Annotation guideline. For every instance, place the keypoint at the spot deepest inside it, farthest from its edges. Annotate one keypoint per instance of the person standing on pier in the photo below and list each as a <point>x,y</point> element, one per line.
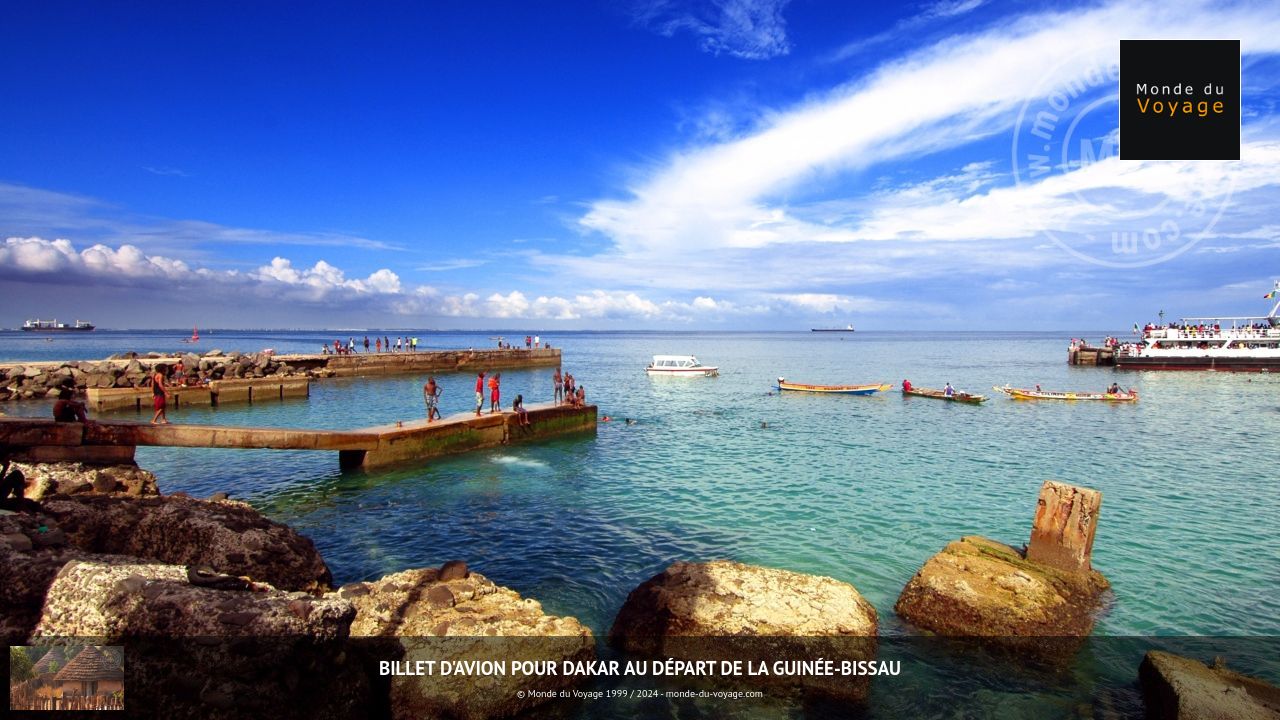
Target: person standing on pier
<point>494,394</point>
<point>377,345</point>
<point>559,389</point>
<point>536,341</point>
<point>479,392</point>
<point>431,394</point>
<point>366,344</point>
<point>159,395</point>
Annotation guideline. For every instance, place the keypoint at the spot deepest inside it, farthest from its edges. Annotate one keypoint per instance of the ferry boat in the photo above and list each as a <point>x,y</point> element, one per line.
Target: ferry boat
<point>680,366</point>
<point>45,326</point>
<point>1247,344</point>
<point>846,328</point>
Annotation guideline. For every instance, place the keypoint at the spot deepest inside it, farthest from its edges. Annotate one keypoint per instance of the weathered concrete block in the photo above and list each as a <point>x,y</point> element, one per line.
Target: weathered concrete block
<point>1065,523</point>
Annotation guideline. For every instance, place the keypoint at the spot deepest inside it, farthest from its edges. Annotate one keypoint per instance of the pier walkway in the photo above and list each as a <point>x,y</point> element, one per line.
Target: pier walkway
<point>40,440</point>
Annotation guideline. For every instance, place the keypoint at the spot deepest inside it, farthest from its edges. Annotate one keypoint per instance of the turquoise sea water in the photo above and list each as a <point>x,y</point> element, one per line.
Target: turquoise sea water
<point>863,489</point>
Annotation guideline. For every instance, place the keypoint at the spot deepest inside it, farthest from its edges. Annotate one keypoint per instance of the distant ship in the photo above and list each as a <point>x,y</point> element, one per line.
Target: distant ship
<point>846,328</point>
<point>45,326</point>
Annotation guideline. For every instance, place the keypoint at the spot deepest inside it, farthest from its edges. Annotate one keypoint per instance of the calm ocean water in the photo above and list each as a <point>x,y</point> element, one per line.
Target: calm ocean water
<point>863,489</point>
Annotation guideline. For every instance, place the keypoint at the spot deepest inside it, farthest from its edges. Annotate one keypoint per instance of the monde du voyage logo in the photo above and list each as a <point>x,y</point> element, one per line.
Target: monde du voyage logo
<point>1180,99</point>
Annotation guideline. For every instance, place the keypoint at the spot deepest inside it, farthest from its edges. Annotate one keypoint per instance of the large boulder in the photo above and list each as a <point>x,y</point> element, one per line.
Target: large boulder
<point>193,651</point>
<point>141,599</point>
<point>977,587</point>
<point>45,479</point>
<point>230,537</point>
<point>452,615</point>
<point>727,610</point>
<point>1179,688</point>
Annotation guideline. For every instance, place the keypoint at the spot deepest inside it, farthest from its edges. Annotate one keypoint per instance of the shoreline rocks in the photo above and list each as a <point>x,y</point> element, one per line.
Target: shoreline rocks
<point>1180,688</point>
<point>228,536</point>
<point>451,614</point>
<point>71,478</point>
<point>729,610</point>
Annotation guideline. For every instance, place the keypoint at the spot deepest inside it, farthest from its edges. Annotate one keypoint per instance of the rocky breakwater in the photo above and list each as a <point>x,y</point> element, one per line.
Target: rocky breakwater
<point>1040,601</point>
<point>725,610</point>
<point>131,370</point>
<point>455,616</point>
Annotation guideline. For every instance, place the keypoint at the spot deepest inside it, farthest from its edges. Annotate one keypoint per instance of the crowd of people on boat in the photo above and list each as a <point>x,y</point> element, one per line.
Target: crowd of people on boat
<point>1208,330</point>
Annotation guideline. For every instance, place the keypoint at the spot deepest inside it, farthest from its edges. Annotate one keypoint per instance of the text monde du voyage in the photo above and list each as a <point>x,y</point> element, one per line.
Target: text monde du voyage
<point>1181,99</point>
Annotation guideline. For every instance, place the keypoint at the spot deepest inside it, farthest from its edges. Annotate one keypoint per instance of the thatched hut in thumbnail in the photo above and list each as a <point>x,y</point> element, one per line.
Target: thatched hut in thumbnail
<point>43,672</point>
<point>90,672</point>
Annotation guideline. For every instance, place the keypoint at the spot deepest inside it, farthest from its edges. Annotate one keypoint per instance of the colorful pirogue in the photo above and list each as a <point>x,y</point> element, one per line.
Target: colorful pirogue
<point>838,389</point>
<point>1024,394</point>
<point>957,396</point>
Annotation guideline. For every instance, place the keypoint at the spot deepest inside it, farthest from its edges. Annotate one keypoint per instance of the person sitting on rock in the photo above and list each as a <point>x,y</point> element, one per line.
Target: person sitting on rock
<point>68,409</point>
<point>522,415</point>
<point>15,484</point>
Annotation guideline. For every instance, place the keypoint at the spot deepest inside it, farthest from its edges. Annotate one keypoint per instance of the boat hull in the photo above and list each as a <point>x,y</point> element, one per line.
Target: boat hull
<point>1023,394</point>
<point>683,372</point>
<point>1231,364</point>
<point>834,389</point>
<point>967,398</point>
<point>86,328</point>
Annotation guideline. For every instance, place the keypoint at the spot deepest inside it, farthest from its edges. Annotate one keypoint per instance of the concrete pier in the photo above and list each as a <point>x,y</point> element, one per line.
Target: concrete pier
<point>39,440</point>
<point>218,392</point>
<point>1088,355</point>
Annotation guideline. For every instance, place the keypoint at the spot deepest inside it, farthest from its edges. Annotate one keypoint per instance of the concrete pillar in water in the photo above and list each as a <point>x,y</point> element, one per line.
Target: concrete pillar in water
<point>1066,519</point>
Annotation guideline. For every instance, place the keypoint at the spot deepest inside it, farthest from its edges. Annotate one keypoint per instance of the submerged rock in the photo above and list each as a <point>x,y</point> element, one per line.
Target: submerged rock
<point>1179,688</point>
<point>728,610</point>
<point>230,537</point>
<point>465,618</point>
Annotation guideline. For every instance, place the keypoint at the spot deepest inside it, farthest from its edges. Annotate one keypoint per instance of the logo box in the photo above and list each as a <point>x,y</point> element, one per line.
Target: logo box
<point>1179,99</point>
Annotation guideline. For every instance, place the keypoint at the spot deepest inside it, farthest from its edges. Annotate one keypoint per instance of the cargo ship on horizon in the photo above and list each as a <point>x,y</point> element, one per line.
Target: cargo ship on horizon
<point>49,326</point>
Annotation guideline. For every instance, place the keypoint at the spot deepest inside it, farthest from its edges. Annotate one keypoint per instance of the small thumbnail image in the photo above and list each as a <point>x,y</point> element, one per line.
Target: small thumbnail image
<point>66,677</point>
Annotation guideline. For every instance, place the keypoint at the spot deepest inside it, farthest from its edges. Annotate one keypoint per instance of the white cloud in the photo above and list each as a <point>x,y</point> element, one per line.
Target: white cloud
<point>723,216</point>
<point>35,259</point>
<point>749,29</point>
<point>45,212</point>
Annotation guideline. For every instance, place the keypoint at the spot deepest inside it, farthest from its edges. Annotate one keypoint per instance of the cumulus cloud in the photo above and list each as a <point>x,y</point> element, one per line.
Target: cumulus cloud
<point>749,29</point>
<point>34,259</point>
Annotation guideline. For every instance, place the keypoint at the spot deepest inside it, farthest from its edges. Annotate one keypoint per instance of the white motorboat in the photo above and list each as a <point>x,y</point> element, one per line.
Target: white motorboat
<point>680,366</point>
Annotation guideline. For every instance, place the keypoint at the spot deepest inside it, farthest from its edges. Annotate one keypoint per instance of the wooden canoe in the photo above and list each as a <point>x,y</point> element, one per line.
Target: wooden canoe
<point>1025,394</point>
<point>837,389</point>
<point>960,397</point>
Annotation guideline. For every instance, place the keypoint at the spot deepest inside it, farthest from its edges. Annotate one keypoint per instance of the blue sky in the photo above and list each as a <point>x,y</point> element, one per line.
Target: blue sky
<point>724,164</point>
